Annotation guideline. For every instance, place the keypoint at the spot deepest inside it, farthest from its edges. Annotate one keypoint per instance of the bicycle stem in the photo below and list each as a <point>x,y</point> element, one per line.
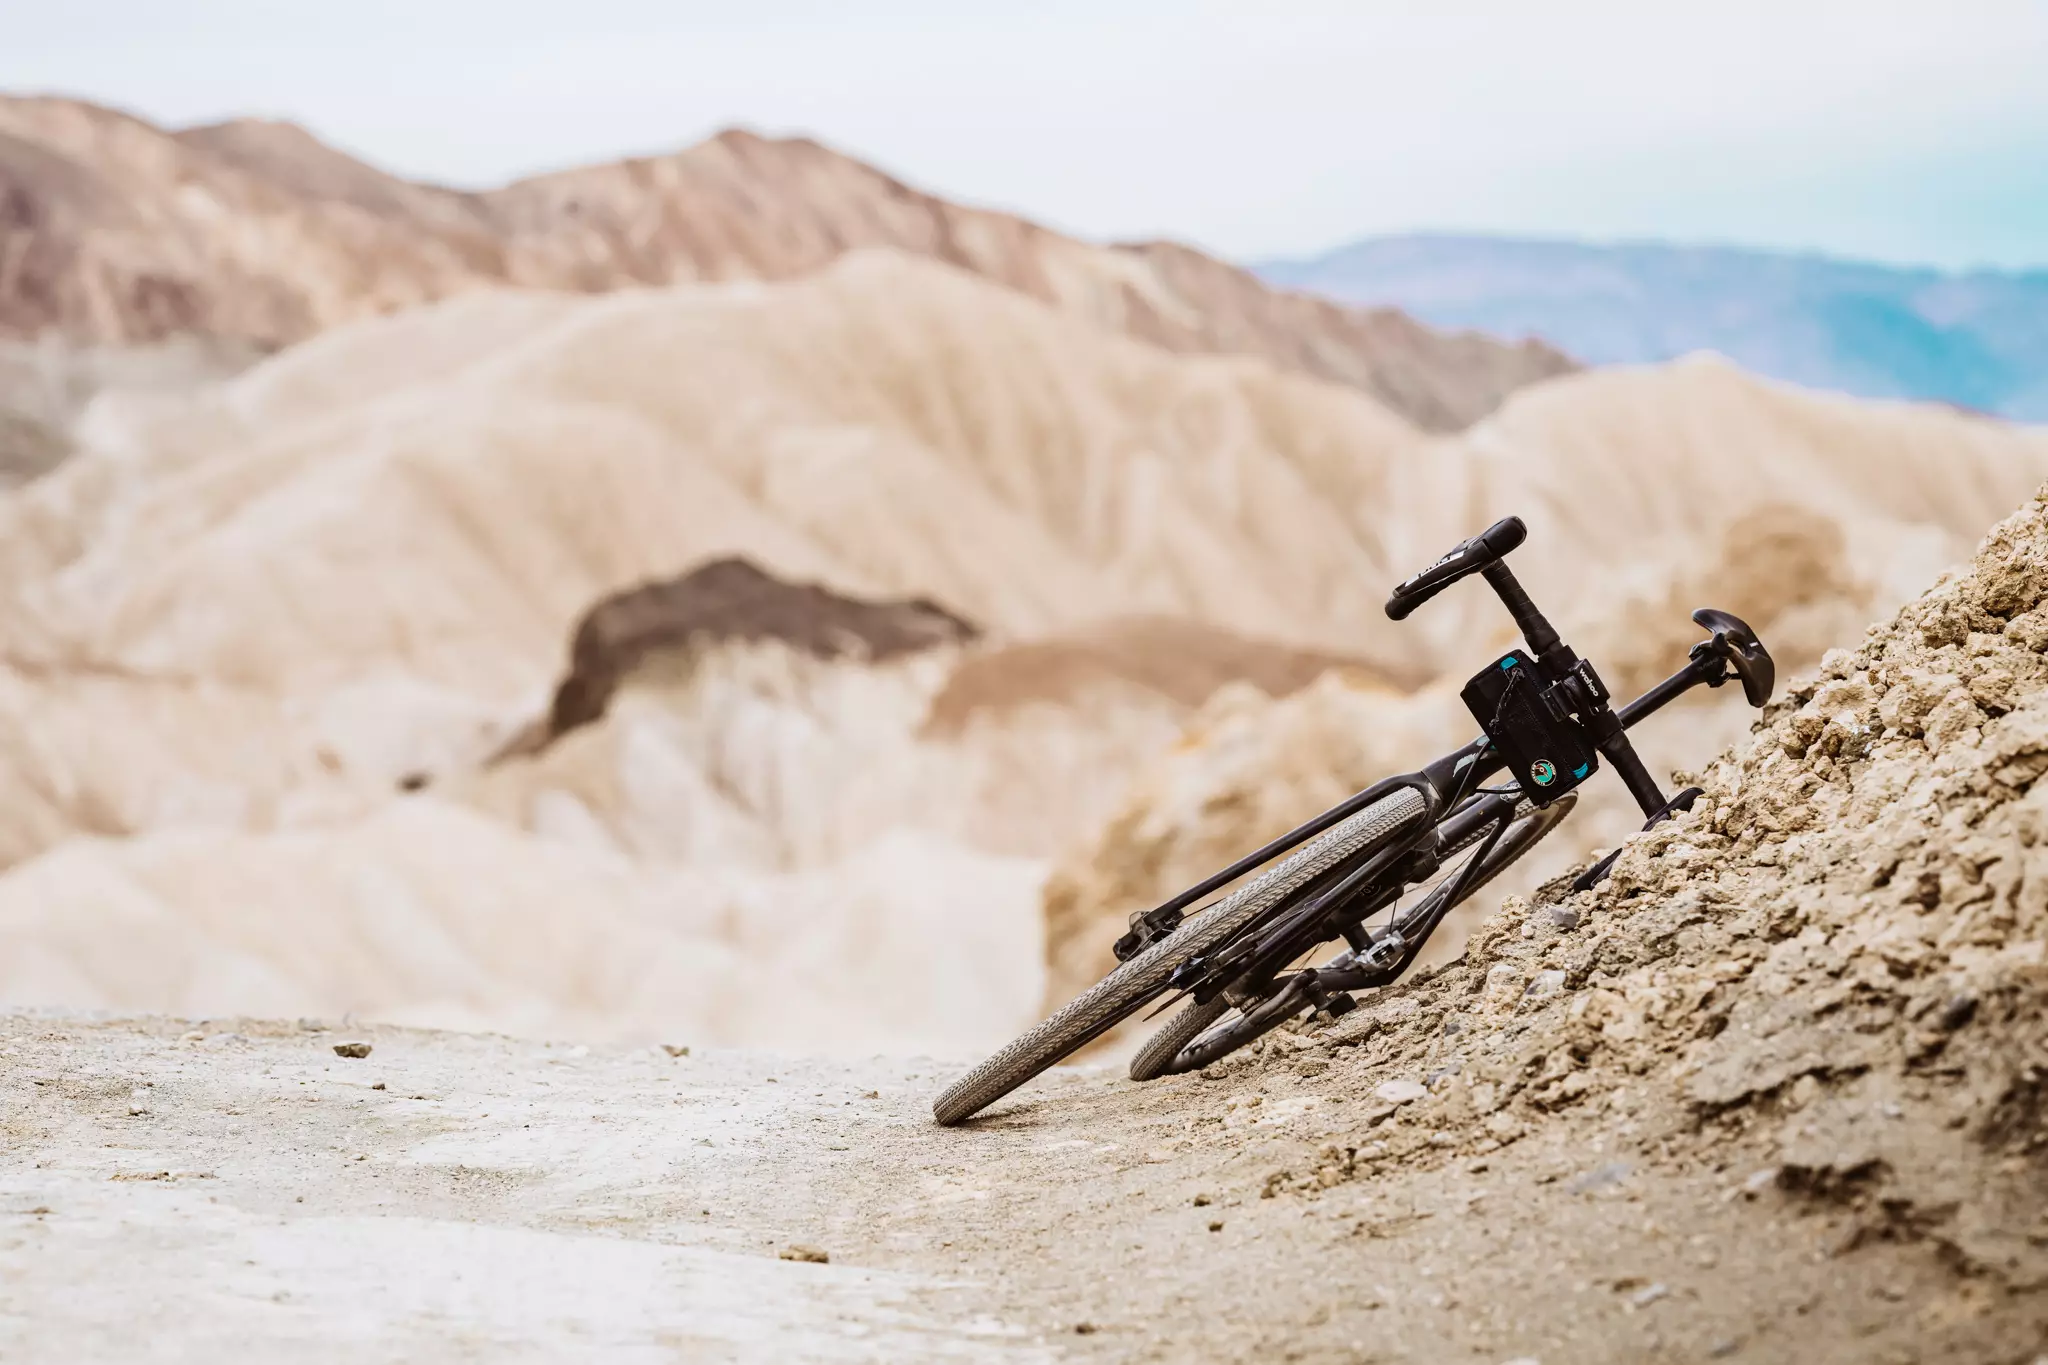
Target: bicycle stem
<point>1543,638</point>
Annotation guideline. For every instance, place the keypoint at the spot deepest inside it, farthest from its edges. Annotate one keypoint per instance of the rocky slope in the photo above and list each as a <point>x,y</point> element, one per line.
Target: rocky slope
<point>120,231</point>
<point>1830,972</point>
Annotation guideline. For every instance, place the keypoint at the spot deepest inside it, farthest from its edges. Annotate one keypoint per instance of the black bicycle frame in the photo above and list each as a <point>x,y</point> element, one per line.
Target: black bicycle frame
<point>1452,814</point>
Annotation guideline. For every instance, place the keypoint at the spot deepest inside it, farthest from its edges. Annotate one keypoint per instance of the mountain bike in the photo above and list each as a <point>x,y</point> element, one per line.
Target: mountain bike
<point>1382,868</point>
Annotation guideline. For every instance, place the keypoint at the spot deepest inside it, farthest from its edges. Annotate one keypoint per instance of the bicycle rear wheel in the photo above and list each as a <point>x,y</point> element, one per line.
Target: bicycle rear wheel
<point>1138,982</point>
<point>1205,1033</point>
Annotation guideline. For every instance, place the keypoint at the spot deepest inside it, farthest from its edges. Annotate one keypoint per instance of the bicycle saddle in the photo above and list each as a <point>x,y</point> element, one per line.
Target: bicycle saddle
<point>1737,646</point>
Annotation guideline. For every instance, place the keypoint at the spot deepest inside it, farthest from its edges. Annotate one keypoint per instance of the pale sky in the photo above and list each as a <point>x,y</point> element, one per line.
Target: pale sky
<point>1892,129</point>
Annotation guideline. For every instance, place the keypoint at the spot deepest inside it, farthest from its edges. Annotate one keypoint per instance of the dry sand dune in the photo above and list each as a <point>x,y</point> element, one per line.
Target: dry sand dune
<point>256,231</point>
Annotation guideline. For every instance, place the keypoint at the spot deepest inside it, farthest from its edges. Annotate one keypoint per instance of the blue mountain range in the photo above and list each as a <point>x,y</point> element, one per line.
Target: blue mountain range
<point>1976,339</point>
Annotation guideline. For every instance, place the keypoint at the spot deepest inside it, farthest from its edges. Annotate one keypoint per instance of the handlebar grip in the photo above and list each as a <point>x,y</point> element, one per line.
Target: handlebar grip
<point>1471,556</point>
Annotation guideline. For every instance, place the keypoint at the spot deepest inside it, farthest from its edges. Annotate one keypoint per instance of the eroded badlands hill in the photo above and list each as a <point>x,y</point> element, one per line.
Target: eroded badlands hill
<point>266,639</point>
<point>122,231</point>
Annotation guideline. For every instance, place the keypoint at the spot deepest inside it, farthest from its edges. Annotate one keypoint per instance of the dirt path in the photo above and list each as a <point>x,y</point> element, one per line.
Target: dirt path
<point>239,1192</point>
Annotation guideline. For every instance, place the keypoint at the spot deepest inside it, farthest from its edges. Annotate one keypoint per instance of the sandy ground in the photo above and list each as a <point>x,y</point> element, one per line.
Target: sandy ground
<point>235,1191</point>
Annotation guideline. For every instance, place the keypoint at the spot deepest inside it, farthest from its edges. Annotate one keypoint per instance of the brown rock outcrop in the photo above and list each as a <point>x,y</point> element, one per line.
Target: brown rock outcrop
<point>732,599</point>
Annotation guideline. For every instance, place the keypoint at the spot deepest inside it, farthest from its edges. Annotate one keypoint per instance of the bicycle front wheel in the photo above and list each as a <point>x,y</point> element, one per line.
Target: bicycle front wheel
<point>1202,1034</point>
<point>1138,982</point>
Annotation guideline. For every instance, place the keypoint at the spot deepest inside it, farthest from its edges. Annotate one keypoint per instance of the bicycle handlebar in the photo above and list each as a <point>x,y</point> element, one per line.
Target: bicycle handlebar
<point>1473,556</point>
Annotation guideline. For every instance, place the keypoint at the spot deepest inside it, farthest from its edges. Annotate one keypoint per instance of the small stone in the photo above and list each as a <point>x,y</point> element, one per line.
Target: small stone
<point>1216,1227</point>
<point>193,1038</point>
<point>351,1049</point>
<point>1601,1177</point>
<point>1724,1348</point>
<point>1503,983</point>
<point>797,1251</point>
<point>676,1049</point>
<point>1201,1201</point>
<point>378,1086</point>
<point>39,1210</point>
<point>872,1095</point>
<point>1563,916</point>
<point>1084,1329</point>
<point>1957,1012</point>
<point>1400,1091</point>
<point>1648,1295</point>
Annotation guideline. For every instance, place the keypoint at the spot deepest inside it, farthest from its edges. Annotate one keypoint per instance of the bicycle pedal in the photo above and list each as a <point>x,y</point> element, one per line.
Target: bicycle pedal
<point>1337,1006</point>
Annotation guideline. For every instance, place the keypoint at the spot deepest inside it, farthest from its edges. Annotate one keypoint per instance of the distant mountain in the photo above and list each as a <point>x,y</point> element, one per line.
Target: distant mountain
<point>1978,340</point>
<point>115,230</point>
